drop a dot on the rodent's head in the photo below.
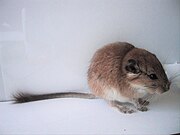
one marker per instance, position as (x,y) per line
(143,70)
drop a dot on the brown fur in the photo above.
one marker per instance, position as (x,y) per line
(107,70)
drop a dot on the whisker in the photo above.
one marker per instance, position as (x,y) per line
(174,83)
(147,99)
(173,77)
(152,87)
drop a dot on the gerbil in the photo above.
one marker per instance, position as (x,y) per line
(119,73)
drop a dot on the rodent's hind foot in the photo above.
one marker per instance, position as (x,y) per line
(126,110)
(122,107)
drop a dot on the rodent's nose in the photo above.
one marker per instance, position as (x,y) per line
(167,86)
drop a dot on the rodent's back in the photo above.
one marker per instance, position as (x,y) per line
(120,68)
(105,69)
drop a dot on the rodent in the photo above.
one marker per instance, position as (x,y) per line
(118,73)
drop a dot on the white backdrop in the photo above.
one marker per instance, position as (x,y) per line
(46,45)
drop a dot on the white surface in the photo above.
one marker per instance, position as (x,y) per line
(81,116)
(46,45)
(78,116)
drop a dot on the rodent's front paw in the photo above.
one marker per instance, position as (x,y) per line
(143,102)
(143,109)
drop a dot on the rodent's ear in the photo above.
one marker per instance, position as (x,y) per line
(132,66)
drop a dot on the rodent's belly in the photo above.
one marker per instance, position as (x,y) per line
(114,94)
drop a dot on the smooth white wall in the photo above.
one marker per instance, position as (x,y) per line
(46,45)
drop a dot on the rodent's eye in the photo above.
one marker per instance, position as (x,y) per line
(153,76)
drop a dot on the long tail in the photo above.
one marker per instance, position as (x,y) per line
(26,97)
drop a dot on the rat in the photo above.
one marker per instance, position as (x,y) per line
(119,73)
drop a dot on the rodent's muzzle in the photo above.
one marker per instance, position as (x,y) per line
(163,88)
(166,87)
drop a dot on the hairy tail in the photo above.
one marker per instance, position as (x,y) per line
(26,97)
